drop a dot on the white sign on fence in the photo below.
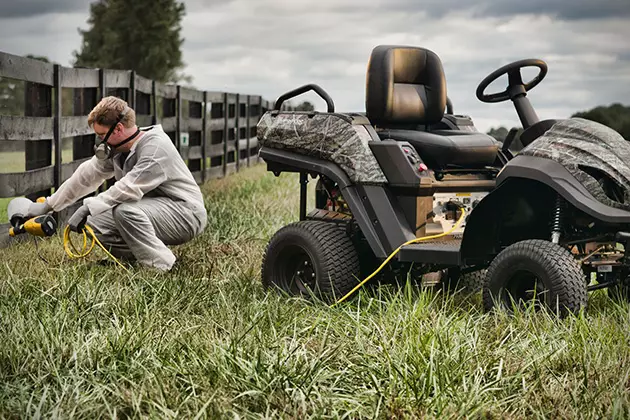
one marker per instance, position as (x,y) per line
(183,139)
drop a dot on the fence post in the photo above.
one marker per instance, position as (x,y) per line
(169,110)
(132,89)
(249,133)
(155,101)
(101,83)
(237,132)
(57,125)
(178,119)
(204,122)
(38,154)
(263,109)
(226,119)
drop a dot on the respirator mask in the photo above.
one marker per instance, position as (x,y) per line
(104,151)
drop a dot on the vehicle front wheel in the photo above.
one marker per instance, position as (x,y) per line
(311,258)
(539,272)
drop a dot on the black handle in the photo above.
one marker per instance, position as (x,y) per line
(507,142)
(449,106)
(303,89)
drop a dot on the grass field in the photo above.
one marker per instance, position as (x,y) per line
(206,341)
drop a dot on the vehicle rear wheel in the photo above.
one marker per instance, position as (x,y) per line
(536,271)
(311,258)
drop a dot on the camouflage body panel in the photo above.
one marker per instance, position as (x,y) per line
(336,138)
(585,147)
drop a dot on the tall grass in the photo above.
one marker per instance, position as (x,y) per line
(206,341)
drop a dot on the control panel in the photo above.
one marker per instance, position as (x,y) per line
(400,162)
(444,219)
(413,157)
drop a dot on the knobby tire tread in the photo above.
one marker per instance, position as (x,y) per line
(567,280)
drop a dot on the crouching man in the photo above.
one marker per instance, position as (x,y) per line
(155,201)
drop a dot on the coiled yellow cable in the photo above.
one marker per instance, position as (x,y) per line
(424,238)
(67,244)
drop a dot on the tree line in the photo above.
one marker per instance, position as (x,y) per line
(615,116)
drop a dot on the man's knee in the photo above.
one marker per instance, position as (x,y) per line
(126,213)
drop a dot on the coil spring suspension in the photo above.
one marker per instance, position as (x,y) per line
(557,220)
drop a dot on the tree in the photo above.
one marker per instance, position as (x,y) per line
(302,106)
(305,106)
(615,116)
(140,35)
(498,133)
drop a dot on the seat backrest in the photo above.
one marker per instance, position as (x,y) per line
(405,85)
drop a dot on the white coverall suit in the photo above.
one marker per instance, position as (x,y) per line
(155,201)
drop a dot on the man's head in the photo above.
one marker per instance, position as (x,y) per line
(112,113)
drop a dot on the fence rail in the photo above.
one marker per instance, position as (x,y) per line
(215,132)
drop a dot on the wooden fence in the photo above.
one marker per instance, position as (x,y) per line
(215,132)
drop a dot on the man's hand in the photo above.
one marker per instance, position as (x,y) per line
(38,209)
(78,219)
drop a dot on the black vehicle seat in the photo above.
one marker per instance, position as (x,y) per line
(406,88)
(439,149)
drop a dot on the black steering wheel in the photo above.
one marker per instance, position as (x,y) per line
(515,81)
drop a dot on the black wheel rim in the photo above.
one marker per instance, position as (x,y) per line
(523,288)
(296,271)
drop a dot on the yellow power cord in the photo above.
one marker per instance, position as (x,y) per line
(67,243)
(424,238)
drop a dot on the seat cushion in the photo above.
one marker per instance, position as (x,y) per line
(405,85)
(442,148)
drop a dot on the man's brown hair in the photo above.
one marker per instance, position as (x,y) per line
(107,111)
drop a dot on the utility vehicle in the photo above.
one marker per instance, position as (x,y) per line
(393,182)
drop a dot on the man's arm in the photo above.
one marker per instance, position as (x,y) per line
(146,175)
(88,176)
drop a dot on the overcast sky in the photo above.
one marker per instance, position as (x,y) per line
(270,46)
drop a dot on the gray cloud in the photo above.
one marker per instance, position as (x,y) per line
(564,9)
(267,47)
(54,36)
(29,8)
(561,9)
(330,45)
